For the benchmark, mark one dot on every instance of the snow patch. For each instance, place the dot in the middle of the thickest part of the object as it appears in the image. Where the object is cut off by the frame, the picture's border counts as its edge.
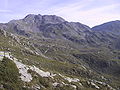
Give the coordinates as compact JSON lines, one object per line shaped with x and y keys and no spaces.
{"x":74,"y":86}
{"x":99,"y":82}
{"x":23,"y":69}
{"x":64,"y":83}
{"x":93,"y":84}
{"x":70,"y":85}
{"x":111,"y":88}
{"x":36,"y":87}
{"x":80,"y":84}
{"x":70,"y":79}
{"x":102,"y":83}
{"x":41,"y":72}
{"x":103,"y":78}
{"x":55,"y":84}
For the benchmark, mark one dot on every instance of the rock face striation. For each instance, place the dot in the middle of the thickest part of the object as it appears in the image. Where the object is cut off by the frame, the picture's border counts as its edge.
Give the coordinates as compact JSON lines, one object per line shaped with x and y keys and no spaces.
{"x":54,"y":27}
{"x":48,"y":26}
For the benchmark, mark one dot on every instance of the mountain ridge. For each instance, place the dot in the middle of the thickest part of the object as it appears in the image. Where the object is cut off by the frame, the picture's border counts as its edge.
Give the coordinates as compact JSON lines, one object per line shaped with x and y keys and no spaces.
{"x":66,"y":48}
{"x":55,"y":27}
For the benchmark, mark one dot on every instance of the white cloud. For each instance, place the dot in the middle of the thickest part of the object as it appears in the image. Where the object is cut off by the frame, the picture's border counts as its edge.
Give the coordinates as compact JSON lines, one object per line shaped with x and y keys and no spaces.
{"x":89,"y":12}
{"x":91,"y":17}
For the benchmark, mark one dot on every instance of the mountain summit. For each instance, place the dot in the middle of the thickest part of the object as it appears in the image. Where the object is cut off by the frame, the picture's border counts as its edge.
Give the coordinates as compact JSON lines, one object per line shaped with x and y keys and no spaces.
{"x":55,"y":27}
{"x":48,"y":26}
{"x":45,"y":19}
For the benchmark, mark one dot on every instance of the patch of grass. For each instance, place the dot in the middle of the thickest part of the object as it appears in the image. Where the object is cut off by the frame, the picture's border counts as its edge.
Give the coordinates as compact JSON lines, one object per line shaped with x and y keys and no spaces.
{"x":9,"y":75}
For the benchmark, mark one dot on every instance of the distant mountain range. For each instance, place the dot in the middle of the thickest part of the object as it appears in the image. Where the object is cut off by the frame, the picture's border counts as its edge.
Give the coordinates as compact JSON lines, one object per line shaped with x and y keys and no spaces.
{"x":54,"y":27}
{"x":70,"y":48}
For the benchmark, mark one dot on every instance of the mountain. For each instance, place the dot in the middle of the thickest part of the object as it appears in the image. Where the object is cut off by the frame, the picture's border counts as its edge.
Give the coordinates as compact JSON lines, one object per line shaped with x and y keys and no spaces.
{"x":51,"y":53}
{"x":113,"y":27}
{"x":55,"y":27}
{"x":111,"y":32}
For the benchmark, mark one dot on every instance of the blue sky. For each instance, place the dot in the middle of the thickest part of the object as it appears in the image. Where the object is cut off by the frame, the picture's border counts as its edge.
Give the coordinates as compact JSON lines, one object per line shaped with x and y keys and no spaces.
{"x":89,"y":12}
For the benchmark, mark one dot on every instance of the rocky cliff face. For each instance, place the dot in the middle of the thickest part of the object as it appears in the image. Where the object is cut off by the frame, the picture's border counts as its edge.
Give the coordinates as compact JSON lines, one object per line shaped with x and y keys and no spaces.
{"x":48,"y":26}
{"x":54,"y":27}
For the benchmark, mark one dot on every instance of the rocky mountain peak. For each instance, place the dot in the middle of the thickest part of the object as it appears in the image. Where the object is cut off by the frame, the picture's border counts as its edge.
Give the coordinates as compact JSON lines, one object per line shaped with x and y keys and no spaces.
{"x":44,"y":19}
{"x":29,"y":16}
{"x":50,"y":26}
{"x":53,"y":19}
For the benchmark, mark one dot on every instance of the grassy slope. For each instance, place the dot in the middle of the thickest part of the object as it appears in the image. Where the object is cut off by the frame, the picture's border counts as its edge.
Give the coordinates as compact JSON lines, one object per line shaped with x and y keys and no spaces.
{"x":9,"y":75}
{"x":48,"y":64}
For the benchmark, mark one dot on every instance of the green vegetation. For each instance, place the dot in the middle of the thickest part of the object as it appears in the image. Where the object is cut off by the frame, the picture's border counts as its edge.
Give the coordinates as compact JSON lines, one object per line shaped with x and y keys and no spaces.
{"x":9,"y":75}
{"x":63,"y":59}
